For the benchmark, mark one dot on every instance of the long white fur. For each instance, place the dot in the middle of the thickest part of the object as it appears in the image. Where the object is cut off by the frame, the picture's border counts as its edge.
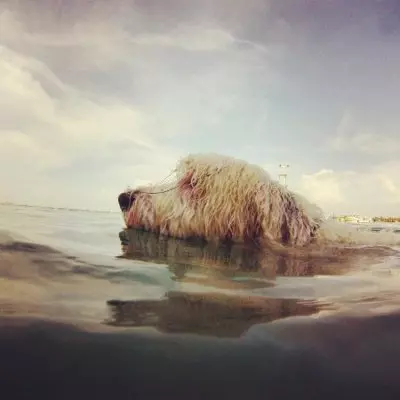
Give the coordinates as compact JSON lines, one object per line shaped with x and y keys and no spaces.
{"x":230,"y":199}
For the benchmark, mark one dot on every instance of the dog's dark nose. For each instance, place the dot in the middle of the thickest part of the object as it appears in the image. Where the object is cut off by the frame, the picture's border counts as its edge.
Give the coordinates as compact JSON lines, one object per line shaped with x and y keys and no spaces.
{"x":125,"y":201}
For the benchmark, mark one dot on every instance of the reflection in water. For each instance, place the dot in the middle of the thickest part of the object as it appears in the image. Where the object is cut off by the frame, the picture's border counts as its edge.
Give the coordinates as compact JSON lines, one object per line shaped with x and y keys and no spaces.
{"x":237,"y":269}
{"x":228,"y":257}
{"x":205,"y":313}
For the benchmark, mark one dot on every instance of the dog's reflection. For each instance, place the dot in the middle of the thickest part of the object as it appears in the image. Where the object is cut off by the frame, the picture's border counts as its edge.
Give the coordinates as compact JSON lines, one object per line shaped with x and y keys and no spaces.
{"x":226,"y":258}
{"x":212,"y":314}
{"x":227,"y":274}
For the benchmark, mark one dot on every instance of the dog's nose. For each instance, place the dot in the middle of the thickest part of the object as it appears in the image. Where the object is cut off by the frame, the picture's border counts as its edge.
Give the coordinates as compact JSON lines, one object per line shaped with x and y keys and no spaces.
{"x":125,"y":201}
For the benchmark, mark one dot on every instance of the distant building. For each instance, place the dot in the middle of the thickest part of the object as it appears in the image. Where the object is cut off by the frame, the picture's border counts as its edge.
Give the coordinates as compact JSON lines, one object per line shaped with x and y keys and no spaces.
{"x":354,"y":219}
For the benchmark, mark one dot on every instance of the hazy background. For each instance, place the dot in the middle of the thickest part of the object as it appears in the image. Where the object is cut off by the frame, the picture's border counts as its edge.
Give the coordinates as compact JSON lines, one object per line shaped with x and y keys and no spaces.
{"x":97,"y":95}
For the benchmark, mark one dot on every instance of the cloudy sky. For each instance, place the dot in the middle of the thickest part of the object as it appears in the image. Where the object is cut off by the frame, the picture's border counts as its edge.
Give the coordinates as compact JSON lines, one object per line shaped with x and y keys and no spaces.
{"x":96,"y":95}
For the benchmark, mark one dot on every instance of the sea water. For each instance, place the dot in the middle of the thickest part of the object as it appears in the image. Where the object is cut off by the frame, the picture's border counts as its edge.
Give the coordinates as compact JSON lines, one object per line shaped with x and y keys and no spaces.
{"x":177,"y":286}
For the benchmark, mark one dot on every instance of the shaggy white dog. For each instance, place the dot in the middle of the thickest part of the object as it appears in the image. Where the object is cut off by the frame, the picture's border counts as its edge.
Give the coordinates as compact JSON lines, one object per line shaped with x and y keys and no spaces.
{"x":218,"y":197}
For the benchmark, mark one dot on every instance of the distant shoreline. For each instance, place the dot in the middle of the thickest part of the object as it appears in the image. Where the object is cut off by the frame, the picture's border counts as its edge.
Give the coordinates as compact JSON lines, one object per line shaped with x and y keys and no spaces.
{"x":340,"y":218}
{"x":386,"y":219}
{"x":358,"y":219}
{"x":7,"y":203}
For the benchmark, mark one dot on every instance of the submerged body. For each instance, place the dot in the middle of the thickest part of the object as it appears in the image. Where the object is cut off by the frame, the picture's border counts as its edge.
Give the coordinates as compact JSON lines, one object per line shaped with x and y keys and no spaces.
{"x":218,"y":197}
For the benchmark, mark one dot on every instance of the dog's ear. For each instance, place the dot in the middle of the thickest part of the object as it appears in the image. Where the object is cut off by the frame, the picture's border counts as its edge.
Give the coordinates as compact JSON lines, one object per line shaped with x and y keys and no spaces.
{"x":189,"y":188}
{"x":187,"y":183}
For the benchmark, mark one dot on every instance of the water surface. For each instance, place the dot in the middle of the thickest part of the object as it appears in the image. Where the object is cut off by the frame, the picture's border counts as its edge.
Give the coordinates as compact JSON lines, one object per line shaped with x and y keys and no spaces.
{"x":136,"y":279}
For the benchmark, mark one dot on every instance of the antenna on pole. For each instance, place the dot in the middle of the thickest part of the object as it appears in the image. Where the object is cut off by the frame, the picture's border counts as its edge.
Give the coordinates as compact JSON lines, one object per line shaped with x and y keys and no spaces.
{"x":283,"y":174}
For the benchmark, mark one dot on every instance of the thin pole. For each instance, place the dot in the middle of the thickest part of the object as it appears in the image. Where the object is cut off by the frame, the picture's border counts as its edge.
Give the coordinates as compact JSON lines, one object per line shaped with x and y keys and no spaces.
{"x":283,"y":174}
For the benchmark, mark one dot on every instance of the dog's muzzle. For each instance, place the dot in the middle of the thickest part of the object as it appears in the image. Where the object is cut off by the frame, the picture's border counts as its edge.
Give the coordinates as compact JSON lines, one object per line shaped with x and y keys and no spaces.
{"x":125,"y":201}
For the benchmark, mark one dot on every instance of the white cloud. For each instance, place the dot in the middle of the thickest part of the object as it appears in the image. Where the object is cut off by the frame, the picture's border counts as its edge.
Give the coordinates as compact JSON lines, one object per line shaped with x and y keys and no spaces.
{"x":47,"y":125}
{"x":323,"y":187}
{"x":69,"y":121}
{"x":373,"y":192}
